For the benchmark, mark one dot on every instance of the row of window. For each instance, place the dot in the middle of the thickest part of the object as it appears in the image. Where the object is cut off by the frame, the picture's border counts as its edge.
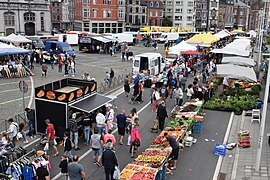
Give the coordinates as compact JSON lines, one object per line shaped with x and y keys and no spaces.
{"x":156,"y":14}
{"x":180,"y":18}
{"x":189,"y":11}
{"x":9,"y":19}
{"x":120,"y":2}
{"x":106,"y":13}
{"x":136,"y":19}
{"x":152,"y":4}
{"x":137,"y":10}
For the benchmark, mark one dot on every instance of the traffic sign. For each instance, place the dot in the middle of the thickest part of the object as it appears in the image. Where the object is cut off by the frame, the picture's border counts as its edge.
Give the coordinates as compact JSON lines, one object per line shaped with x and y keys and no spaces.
{"x":23,"y":86}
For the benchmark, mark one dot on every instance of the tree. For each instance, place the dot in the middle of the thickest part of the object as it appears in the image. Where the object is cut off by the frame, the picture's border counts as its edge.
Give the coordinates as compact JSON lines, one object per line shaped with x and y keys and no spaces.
{"x":167,"y":22}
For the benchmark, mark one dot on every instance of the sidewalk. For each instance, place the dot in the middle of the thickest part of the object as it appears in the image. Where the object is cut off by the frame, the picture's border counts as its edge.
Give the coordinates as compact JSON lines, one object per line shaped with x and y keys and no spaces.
{"x":239,"y":163}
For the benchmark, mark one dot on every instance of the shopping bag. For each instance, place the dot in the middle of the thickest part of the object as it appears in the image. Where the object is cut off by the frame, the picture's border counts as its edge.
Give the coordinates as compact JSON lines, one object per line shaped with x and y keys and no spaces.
{"x":46,"y":147}
{"x":116,"y":173}
{"x":54,"y":142}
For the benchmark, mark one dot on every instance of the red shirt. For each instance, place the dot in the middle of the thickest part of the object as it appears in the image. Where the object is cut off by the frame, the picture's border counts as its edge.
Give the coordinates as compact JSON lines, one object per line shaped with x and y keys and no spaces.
{"x":50,"y":130}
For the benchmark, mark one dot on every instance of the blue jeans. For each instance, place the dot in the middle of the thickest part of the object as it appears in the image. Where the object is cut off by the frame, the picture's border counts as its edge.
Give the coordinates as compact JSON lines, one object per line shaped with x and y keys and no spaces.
{"x":75,"y":138}
{"x":69,"y":154}
{"x":87,"y":134}
{"x":101,"y":130}
{"x":31,"y":125}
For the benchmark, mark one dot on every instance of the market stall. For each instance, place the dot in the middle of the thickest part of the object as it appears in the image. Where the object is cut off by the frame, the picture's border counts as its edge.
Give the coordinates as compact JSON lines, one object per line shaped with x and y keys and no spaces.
{"x":152,"y":162}
{"x":182,"y":46}
{"x":58,"y":100}
{"x":237,"y":60}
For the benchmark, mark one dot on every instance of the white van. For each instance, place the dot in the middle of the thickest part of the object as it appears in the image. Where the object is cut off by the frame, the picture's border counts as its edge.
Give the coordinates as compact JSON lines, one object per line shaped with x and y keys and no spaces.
{"x":152,"y":62}
{"x":171,"y":37}
{"x":72,"y":39}
{"x":171,"y":57}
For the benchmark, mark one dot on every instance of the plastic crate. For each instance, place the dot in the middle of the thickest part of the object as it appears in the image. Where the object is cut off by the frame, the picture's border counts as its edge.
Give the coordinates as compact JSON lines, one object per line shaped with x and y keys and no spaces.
{"x":220,"y":149}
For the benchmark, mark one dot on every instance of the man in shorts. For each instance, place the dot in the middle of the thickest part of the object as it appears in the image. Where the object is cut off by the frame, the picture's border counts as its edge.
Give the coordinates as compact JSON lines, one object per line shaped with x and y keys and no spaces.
{"x":121,"y":124}
{"x":51,"y":136}
{"x":175,"y":149}
{"x":96,"y":144}
{"x":100,"y":119}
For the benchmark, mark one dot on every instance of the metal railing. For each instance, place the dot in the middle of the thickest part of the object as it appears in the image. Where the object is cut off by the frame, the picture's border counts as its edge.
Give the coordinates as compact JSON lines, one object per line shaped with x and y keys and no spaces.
{"x":18,"y":118}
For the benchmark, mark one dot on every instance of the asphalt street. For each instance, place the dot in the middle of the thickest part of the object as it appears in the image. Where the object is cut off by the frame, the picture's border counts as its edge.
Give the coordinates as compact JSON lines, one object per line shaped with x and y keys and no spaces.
{"x":96,"y":64}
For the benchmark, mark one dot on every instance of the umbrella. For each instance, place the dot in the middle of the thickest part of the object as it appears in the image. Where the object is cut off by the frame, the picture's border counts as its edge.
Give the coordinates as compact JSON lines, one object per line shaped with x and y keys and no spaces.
{"x":190,"y":52}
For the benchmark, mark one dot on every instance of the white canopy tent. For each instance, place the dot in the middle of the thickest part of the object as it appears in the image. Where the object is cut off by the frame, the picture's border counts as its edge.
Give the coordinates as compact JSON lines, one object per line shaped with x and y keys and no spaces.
{"x":239,"y":47}
{"x":182,"y":46}
{"x":252,"y":33}
{"x":222,"y":34}
{"x":22,"y":39}
{"x":236,"y":72}
{"x":237,"y":60}
{"x":16,"y":39}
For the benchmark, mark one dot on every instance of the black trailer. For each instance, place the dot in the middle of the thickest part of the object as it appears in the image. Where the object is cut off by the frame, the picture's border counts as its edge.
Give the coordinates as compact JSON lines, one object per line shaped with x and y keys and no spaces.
{"x":58,"y":100}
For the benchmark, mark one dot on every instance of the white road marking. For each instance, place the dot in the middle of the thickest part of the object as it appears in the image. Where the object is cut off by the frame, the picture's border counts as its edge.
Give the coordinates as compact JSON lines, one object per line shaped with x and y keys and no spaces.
{"x":29,"y":144}
{"x":17,"y":82}
{"x":220,"y":158}
{"x":32,"y":92}
{"x":10,"y":90}
{"x":6,"y":102}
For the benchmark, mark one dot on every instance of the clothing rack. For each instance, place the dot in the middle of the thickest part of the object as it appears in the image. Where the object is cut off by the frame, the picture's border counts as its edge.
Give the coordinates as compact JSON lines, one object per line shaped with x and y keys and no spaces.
{"x":33,"y":150}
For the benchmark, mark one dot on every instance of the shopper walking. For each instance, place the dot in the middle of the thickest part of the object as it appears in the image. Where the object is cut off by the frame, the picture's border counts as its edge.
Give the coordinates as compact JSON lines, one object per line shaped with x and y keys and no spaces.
{"x":109,"y":117}
{"x":87,"y":124}
{"x":73,"y":128}
{"x":189,"y":92}
{"x":111,"y":76}
{"x":76,"y":170}
{"x":66,"y":63}
{"x":131,"y":123}
{"x":96,"y":144}
{"x":178,"y":95}
{"x":12,"y":131}
{"x":44,"y":69}
{"x":60,"y":63}
{"x":30,"y":114}
{"x":51,"y":136}
{"x":161,"y":115}
{"x":42,"y":171}
{"x":64,"y":167}
{"x":67,"y":146}
{"x":126,"y":86}
{"x":156,"y":98}
{"x":100,"y":119}
{"x":163,"y":93}
{"x":109,"y":136}
{"x":135,"y":139}
{"x":121,"y":125}
{"x":109,"y":161}
{"x":72,"y":68}
{"x":107,"y":79}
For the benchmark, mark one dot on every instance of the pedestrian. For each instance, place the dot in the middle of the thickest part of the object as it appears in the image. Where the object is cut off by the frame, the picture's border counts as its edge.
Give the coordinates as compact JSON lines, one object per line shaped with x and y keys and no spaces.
{"x":22,"y":134}
{"x":93,"y":116}
{"x":156,"y":98}
{"x":126,"y":86}
{"x":111,"y":76}
{"x":52,"y":58}
{"x":175,"y":149}
{"x":131,"y":123}
{"x":182,"y":81}
{"x":72,"y":68}
{"x":66,"y":64}
{"x":5,"y":138}
{"x":100,"y":119}
{"x":110,"y":136}
{"x":109,"y":117}
{"x":73,"y":128}
{"x":12,"y":131}
{"x":107,"y":79}
{"x":30,"y":114}
{"x":135,"y":139}
{"x":32,"y":60}
{"x":87,"y":124}
{"x":50,"y":135}
{"x":67,"y":145}
{"x":163,"y":93}
{"x":109,"y":161}
{"x":96,"y":144}
{"x":161,"y":115}
{"x":121,"y":125}
{"x":42,"y":171}
{"x":140,"y":90}
{"x":178,"y":95}
{"x":123,"y":52}
{"x":60,"y":63}
{"x":190,"y":92}
{"x":64,"y":167}
{"x":75,"y":170}
{"x":44,"y":69}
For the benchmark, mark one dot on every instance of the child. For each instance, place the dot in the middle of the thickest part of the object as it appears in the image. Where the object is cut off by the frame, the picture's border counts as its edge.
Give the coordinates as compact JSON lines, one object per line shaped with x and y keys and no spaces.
{"x":64,"y":167}
{"x":21,"y":133}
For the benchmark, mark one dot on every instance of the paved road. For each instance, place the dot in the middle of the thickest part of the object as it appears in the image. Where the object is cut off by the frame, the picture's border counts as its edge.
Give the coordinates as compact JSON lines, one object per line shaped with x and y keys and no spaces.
{"x":95,"y":64}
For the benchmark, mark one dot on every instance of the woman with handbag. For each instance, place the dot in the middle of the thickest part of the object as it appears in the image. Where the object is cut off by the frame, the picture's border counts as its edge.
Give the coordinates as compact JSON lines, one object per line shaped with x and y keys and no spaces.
{"x":135,"y":139}
{"x":130,"y":123}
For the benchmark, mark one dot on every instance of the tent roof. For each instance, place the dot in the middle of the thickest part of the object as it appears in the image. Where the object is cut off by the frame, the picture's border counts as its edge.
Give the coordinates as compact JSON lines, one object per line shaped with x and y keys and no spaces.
{"x":203,"y":38}
{"x":237,"y":60}
{"x":236,"y":72}
{"x":102,"y":39}
{"x":14,"y":50}
{"x":16,"y":38}
{"x":182,"y":46}
{"x":222,"y":34}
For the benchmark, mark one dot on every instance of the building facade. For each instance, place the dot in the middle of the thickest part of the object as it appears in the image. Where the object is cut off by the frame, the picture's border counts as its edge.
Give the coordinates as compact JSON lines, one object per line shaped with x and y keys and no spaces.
{"x":201,"y":15}
{"x":155,"y":12}
{"x":99,"y":16}
{"x":136,"y":15}
{"x":56,"y":14}
{"x":226,"y":14}
{"x":24,"y":17}
{"x":68,"y":14}
{"x":213,"y":15}
{"x":181,"y":13}
{"x":241,"y":15}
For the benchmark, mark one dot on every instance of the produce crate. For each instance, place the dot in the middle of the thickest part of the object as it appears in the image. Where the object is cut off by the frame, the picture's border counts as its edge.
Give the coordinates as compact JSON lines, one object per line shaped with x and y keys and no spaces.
{"x":220,"y":149}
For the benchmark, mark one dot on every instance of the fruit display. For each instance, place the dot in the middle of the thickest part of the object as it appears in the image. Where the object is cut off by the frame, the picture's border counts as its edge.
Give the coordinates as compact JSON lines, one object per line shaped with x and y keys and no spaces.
{"x":156,"y":152}
{"x":160,"y":140}
{"x":126,"y":174}
{"x":138,"y":176}
{"x":148,"y":176}
{"x":154,"y":159}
